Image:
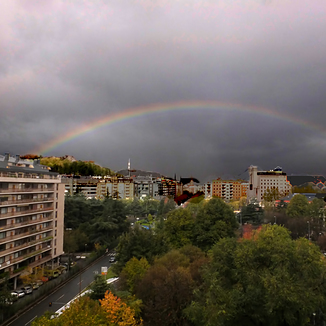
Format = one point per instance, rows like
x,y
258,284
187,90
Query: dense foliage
x,y
93,221
111,311
82,168
191,266
268,279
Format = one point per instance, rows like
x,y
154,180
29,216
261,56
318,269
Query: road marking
x,y
30,320
59,298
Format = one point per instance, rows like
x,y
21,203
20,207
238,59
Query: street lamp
x,y
308,230
274,219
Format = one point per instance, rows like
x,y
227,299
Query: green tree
x,y
268,279
138,243
316,208
215,220
99,287
166,290
298,206
178,228
270,196
134,271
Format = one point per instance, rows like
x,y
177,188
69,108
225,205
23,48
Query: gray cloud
x,y
65,64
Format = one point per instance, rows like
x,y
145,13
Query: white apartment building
x,y
261,181
31,216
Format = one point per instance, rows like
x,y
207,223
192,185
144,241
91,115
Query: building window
x,y
55,224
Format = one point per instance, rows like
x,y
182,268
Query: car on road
x,y
112,259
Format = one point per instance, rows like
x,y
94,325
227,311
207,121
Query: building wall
x,y
115,187
261,181
228,189
31,220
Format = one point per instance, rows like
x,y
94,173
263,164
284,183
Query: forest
x,y
201,265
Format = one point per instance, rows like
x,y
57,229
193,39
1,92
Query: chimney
x,y
7,155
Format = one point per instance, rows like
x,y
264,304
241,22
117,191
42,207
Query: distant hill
x,y
139,173
69,165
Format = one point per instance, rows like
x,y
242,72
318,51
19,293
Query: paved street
x,y
62,296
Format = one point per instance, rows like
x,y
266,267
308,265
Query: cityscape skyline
x,y
196,88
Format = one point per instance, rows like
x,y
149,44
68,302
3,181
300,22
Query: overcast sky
x,y
68,63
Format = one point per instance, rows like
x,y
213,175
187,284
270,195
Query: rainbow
x,y
152,109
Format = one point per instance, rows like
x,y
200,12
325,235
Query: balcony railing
x,y
29,255
26,212
25,201
25,234
24,246
27,223
29,175
23,190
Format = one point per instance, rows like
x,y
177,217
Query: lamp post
x,y
274,219
308,230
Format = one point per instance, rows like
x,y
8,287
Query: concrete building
x,y
169,188
261,181
115,187
146,186
229,189
31,216
86,186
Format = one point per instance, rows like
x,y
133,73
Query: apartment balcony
x,y
25,201
20,259
24,246
25,234
32,265
29,175
27,212
15,226
25,190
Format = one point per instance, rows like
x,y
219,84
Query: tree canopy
x,y
268,279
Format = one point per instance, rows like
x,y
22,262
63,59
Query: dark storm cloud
x,y
67,63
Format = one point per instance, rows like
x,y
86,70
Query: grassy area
x,y
111,274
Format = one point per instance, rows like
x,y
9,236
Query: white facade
x,y
262,181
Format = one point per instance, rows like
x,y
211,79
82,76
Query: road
x,y
63,295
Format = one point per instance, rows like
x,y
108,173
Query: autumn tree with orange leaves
x,y
111,311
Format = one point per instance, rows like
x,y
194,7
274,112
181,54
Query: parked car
x,y
19,293
35,285
27,289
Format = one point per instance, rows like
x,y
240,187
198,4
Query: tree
x,y
178,228
270,196
215,220
82,312
166,290
138,243
252,213
99,287
298,206
134,271
268,279
117,312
